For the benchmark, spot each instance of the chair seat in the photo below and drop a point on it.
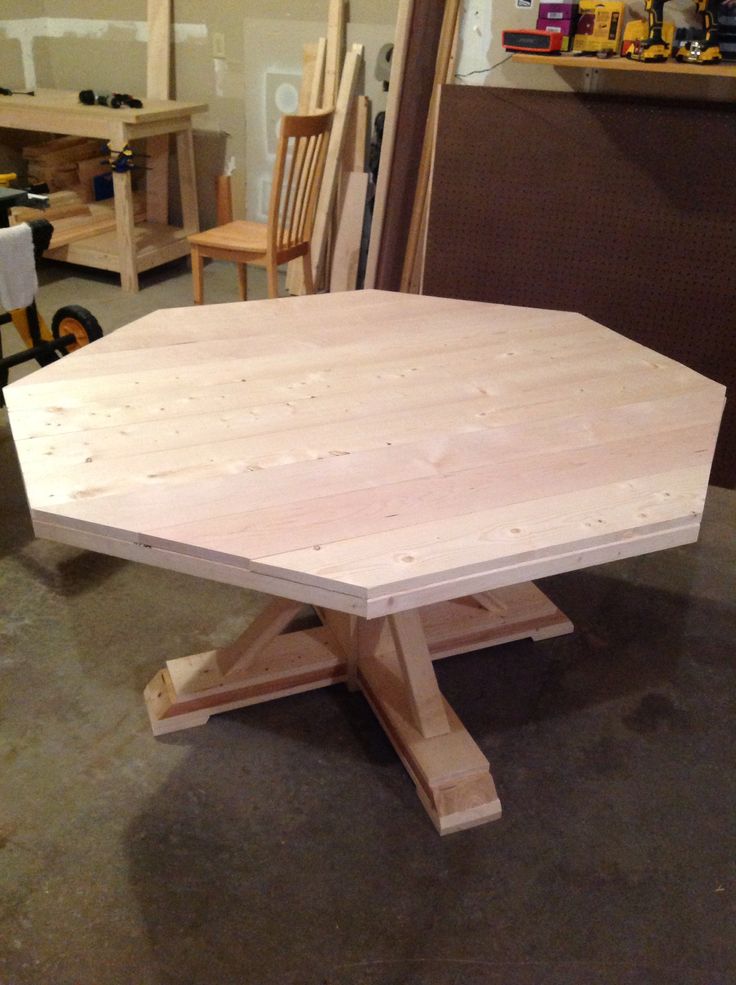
(291, 212)
(239, 235)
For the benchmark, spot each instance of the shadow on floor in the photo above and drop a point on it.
(272, 852)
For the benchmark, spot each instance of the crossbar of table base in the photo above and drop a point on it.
(451, 774)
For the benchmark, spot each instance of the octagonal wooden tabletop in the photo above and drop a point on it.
(367, 451)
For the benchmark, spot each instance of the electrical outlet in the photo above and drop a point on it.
(218, 45)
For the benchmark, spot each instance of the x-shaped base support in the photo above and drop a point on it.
(391, 660)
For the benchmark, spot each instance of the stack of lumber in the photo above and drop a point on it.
(330, 79)
(69, 166)
(74, 219)
(66, 163)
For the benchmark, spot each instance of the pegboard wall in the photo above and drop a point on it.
(622, 209)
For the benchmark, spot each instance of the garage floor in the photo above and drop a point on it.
(284, 843)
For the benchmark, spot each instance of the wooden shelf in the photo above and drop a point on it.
(154, 244)
(618, 64)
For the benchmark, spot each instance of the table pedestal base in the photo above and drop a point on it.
(390, 660)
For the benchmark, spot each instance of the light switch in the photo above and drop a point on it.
(218, 45)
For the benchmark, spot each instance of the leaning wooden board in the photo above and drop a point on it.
(378, 456)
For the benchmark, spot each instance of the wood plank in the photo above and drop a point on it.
(309, 58)
(158, 49)
(316, 99)
(367, 638)
(346, 256)
(502, 537)
(362, 133)
(422, 693)
(334, 52)
(187, 181)
(328, 191)
(227, 574)
(450, 772)
(464, 625)
(60, 152)
(269, 531)
(59, 111)
(398, 61)
(290, 664)
(418, 218)
(408, 337)
(379, 446)
(156, 244)
(52, 214)
(232, 662)
(571, 558)
(617, 64)
(269, 436)
(95, 403)
(158, 86)
(400, 326)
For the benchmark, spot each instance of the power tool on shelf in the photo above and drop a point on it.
(655, 47)
(703, 50)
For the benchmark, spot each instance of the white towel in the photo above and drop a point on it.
(18, 281)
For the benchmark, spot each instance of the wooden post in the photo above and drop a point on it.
(158, 68)
(224, 199)
(444, 55)
(335, 51)
(398, 59)
(415, 661)
(326, 200)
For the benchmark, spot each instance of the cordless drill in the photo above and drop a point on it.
(705, 50)
(113, 99)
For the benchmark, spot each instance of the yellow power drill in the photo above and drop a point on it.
(652, 48)
(705, 50)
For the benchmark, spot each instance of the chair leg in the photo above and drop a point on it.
(273, 280)
(197, 275)
(308, 278)
(243, 280)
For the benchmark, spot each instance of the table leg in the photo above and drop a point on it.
(390, 659)
(123, 197)
(413, 657)
(451, 775)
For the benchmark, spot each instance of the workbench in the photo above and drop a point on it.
(131, 248)
(404, 465)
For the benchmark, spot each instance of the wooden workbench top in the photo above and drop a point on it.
(367, 450)
(67, 104)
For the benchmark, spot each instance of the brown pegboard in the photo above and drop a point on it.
(622, 209)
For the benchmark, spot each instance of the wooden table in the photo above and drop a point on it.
(405, 465)
(130, 248)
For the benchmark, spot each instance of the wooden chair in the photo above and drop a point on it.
(300, 161)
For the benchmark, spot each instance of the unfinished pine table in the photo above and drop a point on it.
(130, 248)
(403, 464)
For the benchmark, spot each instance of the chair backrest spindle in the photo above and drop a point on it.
(300, 159)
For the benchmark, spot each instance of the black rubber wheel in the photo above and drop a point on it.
(75, 320)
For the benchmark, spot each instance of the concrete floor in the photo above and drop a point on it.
(284, 843)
